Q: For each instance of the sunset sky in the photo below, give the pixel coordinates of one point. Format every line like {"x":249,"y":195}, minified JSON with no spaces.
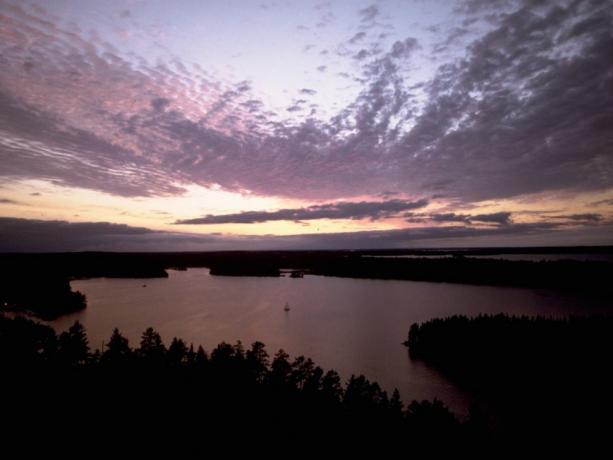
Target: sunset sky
{"x":207,"y":125}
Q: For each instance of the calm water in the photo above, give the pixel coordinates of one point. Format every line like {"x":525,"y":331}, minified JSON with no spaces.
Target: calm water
{"x":351,"y":325}
{"x":604,"y":257}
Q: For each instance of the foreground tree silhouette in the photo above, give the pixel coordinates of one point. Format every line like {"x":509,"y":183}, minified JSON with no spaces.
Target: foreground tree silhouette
{"x":140,"y":397}
{"x":257,"y":361}
{"x":117,"y":348}
{"x":201,"y":360}
{"x":177,"y":352}
{"x":73,"y":345}
{"x":151,"y":347}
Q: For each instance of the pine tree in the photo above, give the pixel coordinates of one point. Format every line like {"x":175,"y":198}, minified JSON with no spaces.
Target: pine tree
{"x":73,"y":345}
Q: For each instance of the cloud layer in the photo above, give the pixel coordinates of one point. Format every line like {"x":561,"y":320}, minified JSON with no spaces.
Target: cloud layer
{"x":524,"y":107}
{"x":26,"y":235}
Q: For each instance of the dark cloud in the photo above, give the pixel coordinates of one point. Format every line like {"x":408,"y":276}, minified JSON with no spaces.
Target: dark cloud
{"x":18,"y":235}
{"x":308,"y":91}
{"x":525,"y":111}
{"x":403,"y":49}
{"x":606,"y":202}
{"x":27,"y":235}
{"x":357,"y":37}
{"x":159,"y":104}
{"x":372,"y":210}
{"x":448,"y":217}
{"x":362,"y":54}
{"x":500,"y":218}
{"x":586,"y":217}
{"x":7,"y":201}
{"x":369,"y":13}
{"x":23,"y":235}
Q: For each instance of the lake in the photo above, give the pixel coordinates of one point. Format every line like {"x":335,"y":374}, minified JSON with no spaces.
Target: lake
{"x":354,"y":326}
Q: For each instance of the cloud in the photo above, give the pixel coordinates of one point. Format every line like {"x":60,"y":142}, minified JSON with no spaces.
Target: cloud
{"x":500,"y":218}
{"x":24,"y":235}
{"x":357,"y":37}
{"x":362,"y":54}
{"x":526,"y":108}
{"x":525,"y":111}
{"x":373,"y":210}
{"x":403,"y":49}
{"x":605,"y":202}
{"x":308,"y":91}
{"x":159,"y":104}
{"x":29,"y":235}
{"x":369,"y":14}
{"x":586,"y":217}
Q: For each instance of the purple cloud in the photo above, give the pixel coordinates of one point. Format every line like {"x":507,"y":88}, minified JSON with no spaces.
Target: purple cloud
{"x":373,"y":210}
{"x":508,"y":118}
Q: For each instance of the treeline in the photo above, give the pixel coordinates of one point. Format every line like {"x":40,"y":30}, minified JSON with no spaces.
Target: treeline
{"x":43,"y":294}
{"x":179,"y":397}
{"x":592,"y":278}
{"x":39,"y":284}
{"x":585,"y":276}
{"x":537,"y":377}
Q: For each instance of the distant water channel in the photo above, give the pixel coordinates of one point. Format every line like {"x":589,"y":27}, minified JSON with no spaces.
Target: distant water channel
{"x":354,"y":326}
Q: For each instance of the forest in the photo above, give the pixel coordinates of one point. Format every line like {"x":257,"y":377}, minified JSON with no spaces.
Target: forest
{"x":182,"y":398}
{"x":536,"y":378}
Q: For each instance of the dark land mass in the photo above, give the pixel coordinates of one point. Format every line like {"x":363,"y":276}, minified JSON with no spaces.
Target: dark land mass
{"x":22,"y":272}
{"x":180,"y":401}
{"x":539,"y":379}
{"x":44,"y":294}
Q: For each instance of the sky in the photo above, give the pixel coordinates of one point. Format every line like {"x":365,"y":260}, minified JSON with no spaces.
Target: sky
{"x":212,"y":125}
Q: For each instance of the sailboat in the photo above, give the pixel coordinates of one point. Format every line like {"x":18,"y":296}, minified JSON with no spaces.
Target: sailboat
{"x":286,"y":308}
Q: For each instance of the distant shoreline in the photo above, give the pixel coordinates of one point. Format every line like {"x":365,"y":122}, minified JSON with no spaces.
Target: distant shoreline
{"x":38,"y":283}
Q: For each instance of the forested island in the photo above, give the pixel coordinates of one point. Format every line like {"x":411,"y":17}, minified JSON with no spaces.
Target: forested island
{"x":544,"y":379}
{"x":181,"y":399}
{"x":49,"y":274}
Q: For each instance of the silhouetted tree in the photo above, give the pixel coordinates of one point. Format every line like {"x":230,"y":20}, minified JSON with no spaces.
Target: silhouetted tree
{"x":427,"y":418}
{"x":302,"y":370}
{"x":313,"y":383}
{"x":190,"y":357}
{"x":151,"y":346}
{"x":177,"y":352}
{"x":280,"y":368}
{"x":257,"y":361}
{"x":73,"y":345}
{"x":331,"y":387}
{"x":395,"y":403}
{"x":117,"y":349}
{"x":201,"y":359}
